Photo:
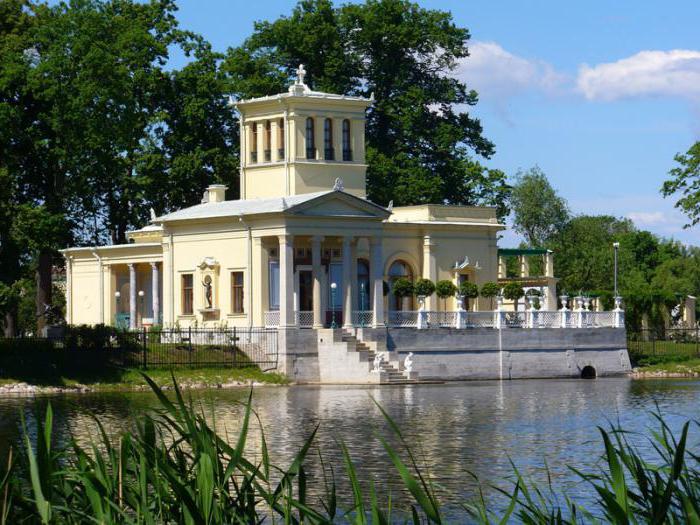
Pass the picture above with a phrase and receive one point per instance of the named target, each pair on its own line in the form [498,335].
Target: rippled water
[457,429]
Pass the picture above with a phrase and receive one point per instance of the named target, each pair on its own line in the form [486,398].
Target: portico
[325,280]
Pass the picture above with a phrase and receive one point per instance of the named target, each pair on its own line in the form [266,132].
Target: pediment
[339,204]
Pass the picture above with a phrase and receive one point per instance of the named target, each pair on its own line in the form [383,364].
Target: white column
[353,276]
[155,292]
[376,277]
[316,276]
[347,281]
[286,249]
[619,314]
[132,295]
[429,269]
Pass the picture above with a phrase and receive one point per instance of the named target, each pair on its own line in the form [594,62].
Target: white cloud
[498,75]
[646,219]
[674,73]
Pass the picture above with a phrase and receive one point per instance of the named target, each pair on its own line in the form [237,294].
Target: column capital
[428,240]
[317,238]
[375,240]
[285,238]
[348,239]
[154,265]
[131,265]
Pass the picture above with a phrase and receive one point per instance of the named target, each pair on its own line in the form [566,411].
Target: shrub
[403,287]
[424,287]
[513,291]
[469,290]
[445,289]
[490,289]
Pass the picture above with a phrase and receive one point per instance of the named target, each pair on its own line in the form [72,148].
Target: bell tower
[301,141]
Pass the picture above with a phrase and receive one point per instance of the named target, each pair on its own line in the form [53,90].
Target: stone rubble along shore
[25,388]
[639,373]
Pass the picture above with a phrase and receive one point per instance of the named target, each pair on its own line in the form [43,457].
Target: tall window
[347,151]
[363,284]
[274,290]
[254,143]
[187,294]
[237,292]
[310,141]
[280,139]
[399,269]
[328,151]
[268,140]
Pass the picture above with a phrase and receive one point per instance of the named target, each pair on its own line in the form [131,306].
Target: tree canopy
[538,211]
[421,138]
[685,183]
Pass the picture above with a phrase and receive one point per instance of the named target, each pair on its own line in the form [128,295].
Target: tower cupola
[301,141]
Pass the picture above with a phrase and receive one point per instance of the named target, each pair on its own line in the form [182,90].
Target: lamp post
[117,296]
[616,247]
[141,294]
[333,288]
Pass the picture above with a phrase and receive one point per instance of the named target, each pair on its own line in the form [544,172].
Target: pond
[457,429]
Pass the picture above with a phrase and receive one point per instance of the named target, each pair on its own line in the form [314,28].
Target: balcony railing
[532,319]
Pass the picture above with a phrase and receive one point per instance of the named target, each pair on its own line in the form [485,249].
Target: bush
[403,287]
[469,290]
[513,291]
[490,289]
[424,287]
[445,289]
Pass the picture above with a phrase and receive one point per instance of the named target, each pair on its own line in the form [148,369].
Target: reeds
[175,468]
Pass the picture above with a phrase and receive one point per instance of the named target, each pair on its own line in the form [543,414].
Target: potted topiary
[490,290]
[402,288]
[445,289]
[423,288]
[468,290]
[513,292]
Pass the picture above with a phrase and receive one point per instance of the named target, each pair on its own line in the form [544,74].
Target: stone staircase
[389,371]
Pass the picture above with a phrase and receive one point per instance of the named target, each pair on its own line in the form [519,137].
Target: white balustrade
[304,318]
[272,319]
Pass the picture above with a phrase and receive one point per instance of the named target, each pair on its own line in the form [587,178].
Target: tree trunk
[43,288]
[10,324]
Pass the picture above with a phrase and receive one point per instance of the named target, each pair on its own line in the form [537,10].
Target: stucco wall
[85,292]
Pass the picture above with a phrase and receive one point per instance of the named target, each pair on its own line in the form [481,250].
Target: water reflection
[456,429]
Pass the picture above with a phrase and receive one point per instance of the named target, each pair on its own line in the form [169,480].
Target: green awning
[512,252]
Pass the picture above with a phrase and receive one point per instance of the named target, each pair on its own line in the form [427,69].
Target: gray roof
[240,207]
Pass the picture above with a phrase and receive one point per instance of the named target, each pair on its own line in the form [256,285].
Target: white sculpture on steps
[378,360]
[408,363]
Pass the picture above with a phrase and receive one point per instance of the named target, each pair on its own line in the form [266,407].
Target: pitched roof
[251,206]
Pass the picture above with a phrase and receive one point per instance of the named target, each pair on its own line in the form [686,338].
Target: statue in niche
[378,360]
[207,291]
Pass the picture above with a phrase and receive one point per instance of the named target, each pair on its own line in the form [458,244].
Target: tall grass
[176,469]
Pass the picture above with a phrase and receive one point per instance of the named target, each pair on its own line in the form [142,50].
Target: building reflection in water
[455,429]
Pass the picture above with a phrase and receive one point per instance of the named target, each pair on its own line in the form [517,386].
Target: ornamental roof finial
[301,73]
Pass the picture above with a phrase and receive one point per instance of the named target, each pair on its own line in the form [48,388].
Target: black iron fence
[193,347]
[671,342]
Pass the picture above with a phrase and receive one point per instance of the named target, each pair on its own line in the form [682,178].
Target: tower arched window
[328,151]
[280,139]
[310,142]
[347,150]
[254,143]
[268,141]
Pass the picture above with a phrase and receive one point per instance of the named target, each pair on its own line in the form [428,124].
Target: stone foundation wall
[449,354]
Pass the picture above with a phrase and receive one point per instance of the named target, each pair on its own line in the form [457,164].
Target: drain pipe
[249,271]
[101,285]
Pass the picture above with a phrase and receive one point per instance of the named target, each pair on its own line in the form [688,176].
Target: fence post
[144,357]
[189,331]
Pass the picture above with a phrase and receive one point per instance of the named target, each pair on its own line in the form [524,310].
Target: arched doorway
[397,270]
[588,372]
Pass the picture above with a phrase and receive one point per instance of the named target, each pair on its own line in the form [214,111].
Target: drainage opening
[588,372]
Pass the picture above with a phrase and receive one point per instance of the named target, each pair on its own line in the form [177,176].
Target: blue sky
[601,95]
